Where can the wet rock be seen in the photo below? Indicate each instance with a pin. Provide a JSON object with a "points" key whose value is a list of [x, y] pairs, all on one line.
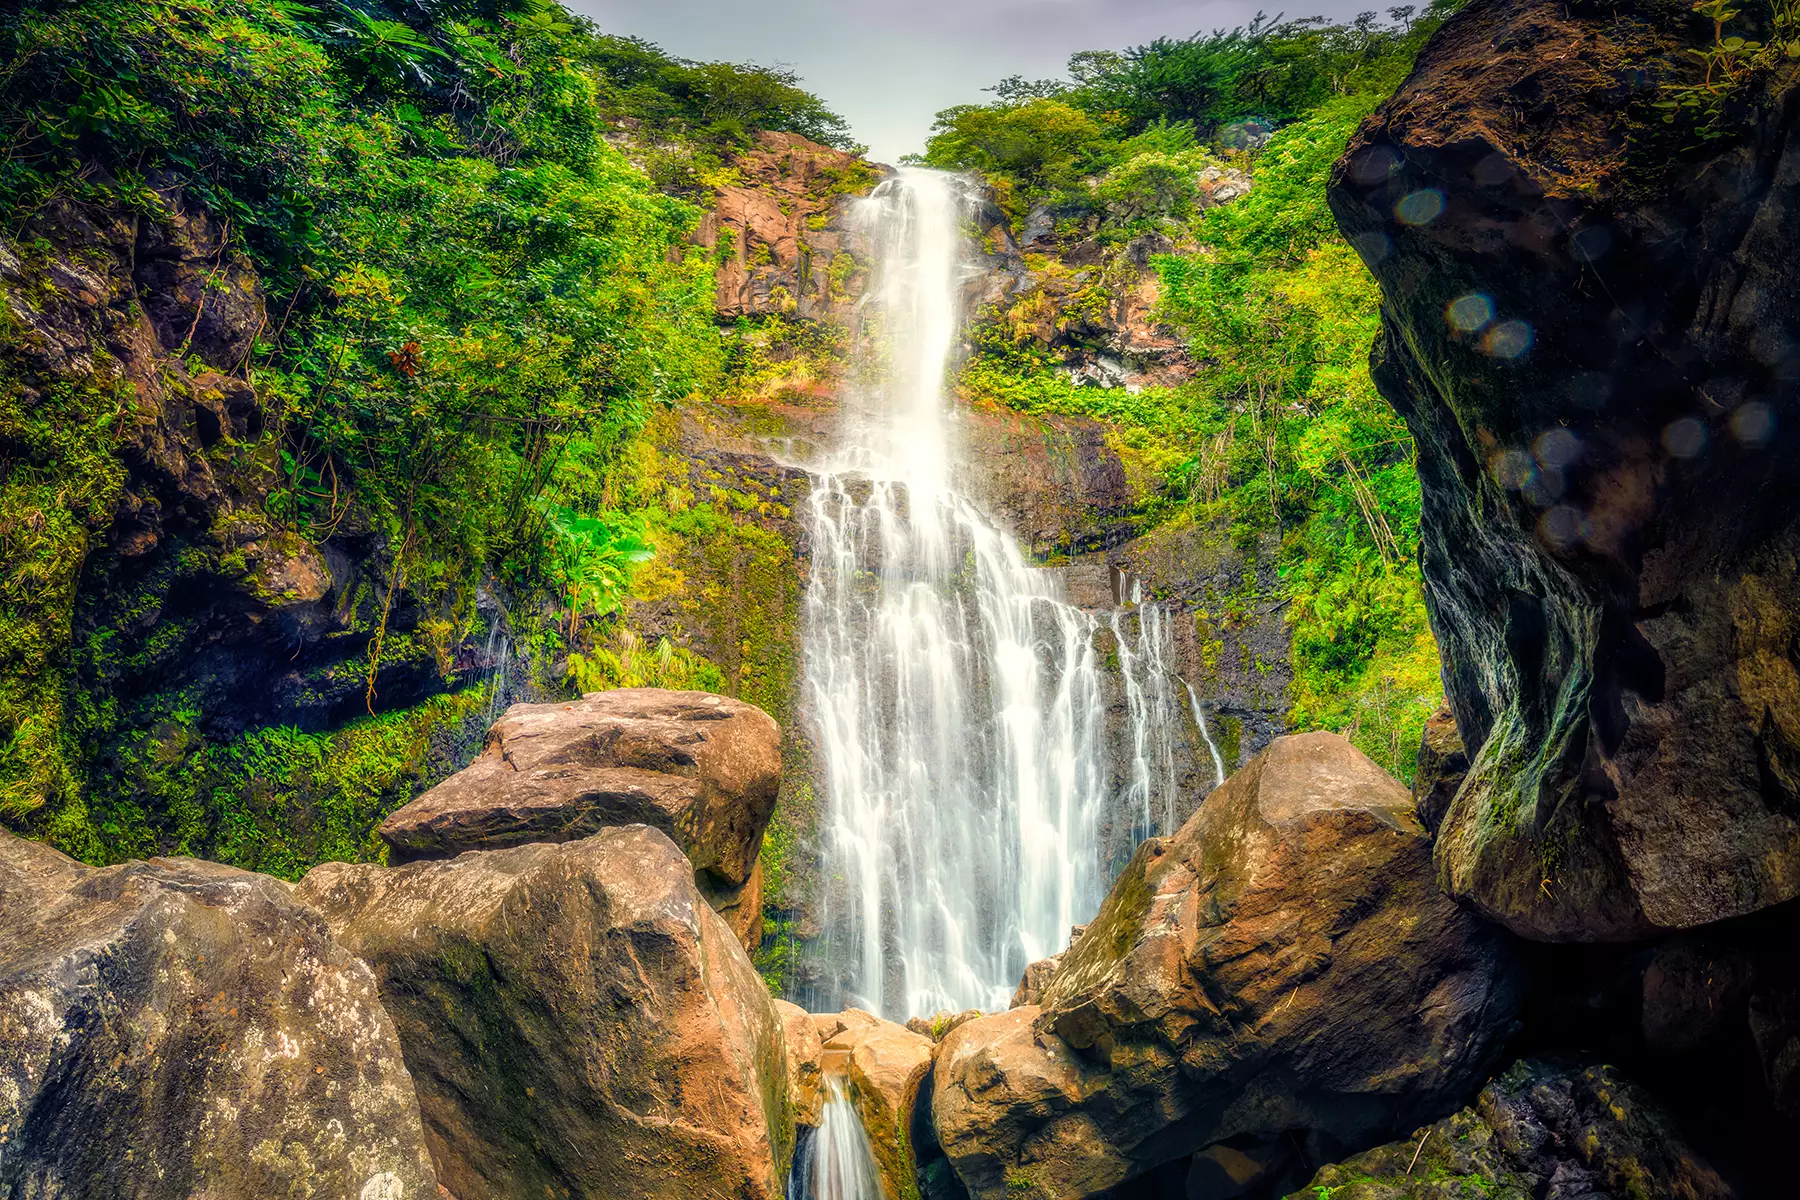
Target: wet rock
{"points": [[1053, 481], [1591, 324], [805, 1059], [885, 1065], [1284, 964], [576, 1019], [177, 1028], [1537, 1130], [702, 768], [1443, 765], [1037, 977]]}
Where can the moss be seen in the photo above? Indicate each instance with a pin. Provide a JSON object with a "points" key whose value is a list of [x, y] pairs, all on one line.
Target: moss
{"points": [[274, 799], [57, 493]]}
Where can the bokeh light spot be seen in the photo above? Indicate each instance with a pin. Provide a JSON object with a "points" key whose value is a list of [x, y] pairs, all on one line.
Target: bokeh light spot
{"points": [[1513, 469], [1470, 312], [1753, 424], [1509, 339], [1421, 207], [1684, 438], [1372, 246], [1563, 526], [1557, 449]]}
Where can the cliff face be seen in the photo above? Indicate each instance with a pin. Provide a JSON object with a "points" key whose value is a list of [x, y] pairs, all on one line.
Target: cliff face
{"points": [[1592, 326], [147, 588]]}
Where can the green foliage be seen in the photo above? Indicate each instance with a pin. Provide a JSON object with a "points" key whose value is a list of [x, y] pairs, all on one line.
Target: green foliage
{"points": [[1282, 431], [1039, 142], [625, 662], [1131, 122], [720, 101], [275, 799], [592, 560], [1735, 67], [475, 304], [57, 491]]}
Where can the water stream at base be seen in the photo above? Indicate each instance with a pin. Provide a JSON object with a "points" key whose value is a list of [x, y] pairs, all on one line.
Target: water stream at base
{"points": [[959, 705], [836, 1161]]}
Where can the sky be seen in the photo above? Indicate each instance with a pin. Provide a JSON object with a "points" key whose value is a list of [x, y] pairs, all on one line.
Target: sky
{"points": [[889, 65]]}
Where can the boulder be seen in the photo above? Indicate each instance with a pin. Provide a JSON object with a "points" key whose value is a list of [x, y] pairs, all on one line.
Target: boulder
{"points": [[1537, 1130], [704, 769], [884, 1064], [177, 1028], [805, 1062], [577, 1020], [1284, 964], [1442, 766], [1591, 324]]}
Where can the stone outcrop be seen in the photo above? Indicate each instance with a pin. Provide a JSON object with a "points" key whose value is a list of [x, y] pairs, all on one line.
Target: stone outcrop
{"points": [[702, 768], [805, 1062], [1284, 964], [781, 235], [576, 1019], [1443, 764], [1054, 482], [1591, 324], [177, 1028], [199, 591], [885, 1064], [1535, 1131]]}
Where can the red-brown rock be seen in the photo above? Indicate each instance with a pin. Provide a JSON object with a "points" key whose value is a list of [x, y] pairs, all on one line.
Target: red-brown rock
{"points": [[704, 769], [1285, 963]]}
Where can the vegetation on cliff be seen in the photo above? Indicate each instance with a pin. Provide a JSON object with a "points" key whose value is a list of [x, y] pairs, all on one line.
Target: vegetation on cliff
{"points": [[1280, 430], [474, 303]]}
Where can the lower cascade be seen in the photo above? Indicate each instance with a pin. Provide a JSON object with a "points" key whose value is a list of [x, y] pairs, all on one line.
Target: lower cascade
{"points": [[958, 700], [836, 1162]]}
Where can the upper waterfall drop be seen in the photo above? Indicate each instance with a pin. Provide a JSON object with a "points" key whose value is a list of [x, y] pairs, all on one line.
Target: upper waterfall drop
{"points": [[958, 702]]}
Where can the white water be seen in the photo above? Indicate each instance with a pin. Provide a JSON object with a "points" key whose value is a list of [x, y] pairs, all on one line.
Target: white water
{"points": [[1205, 733], [957, 699], [837, 1162]]}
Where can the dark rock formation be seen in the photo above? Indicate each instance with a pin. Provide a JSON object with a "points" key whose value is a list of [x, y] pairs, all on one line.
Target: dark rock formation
{"points": [[1592, 327], [576, 1019], [1443, 765], [1535, 1131], [702, 768], [1285, 964], [176, 1028]]}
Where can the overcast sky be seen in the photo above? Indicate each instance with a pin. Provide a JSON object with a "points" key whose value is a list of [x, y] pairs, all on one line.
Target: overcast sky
{"points": [[889, 65]]}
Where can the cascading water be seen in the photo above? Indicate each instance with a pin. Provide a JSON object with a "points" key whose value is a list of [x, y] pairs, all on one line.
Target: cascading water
{"points": [[958, 701], [836, 1161]]}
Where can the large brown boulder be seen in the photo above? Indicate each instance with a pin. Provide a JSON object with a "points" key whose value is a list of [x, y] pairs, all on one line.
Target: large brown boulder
{"points": [[176, 1028], [1535, 1131], [1284, 964], [577, 1020], [702, 768], [1591, 324]]}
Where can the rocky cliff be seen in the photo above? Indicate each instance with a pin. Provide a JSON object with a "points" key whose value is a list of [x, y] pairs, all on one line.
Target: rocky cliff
{"points": [[153, 603], [1590, 324]]}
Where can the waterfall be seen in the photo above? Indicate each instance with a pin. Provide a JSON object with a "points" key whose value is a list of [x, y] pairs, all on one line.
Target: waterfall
{"points": [[1151, 789], [957, 700], [1205, 733], [836, 1161]]}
